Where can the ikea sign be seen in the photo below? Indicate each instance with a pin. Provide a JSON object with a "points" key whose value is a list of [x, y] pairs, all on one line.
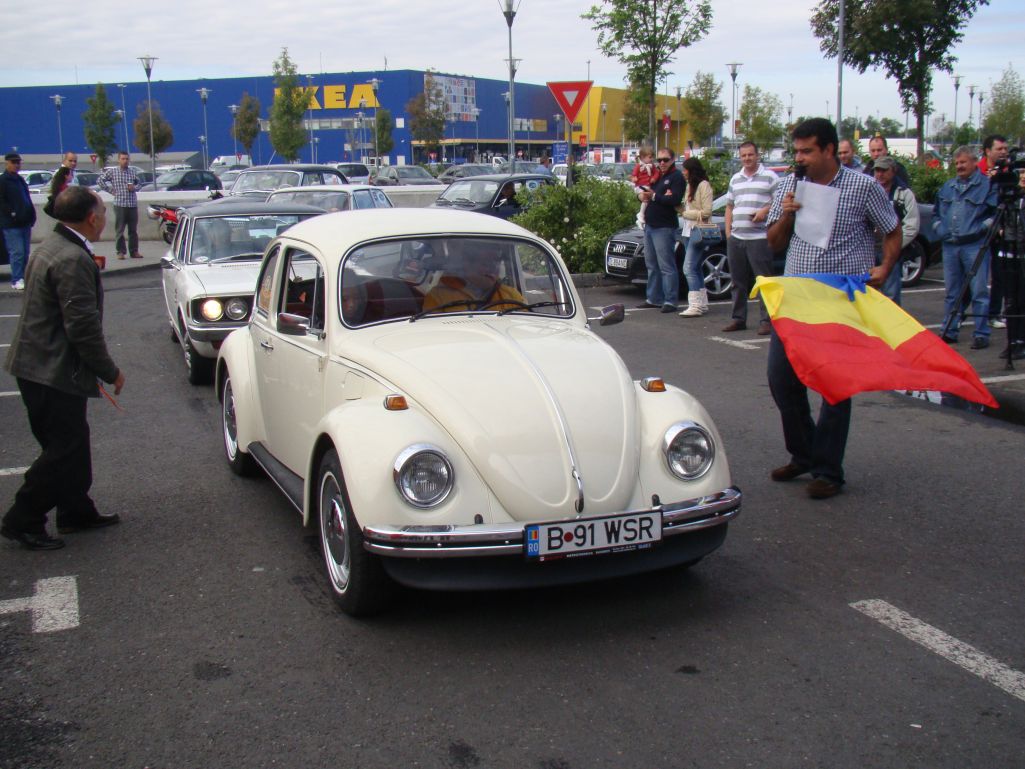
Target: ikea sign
{"points": [[339, 96]]}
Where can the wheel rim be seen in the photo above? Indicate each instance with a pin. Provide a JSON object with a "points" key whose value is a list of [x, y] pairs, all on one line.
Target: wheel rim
{"points": [[334, 533], [229, 421], [188, 352], [717, 274]]}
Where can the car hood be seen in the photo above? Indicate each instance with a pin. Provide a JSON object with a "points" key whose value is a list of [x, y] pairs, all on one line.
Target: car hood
{"points": [[527, 400], [237, 278]]}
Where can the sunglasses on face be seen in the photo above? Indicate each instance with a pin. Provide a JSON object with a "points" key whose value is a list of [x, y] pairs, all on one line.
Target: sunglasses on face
{"points": [[665, 160]]}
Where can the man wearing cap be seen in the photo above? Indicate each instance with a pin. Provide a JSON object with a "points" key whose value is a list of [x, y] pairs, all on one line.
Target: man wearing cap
{"points": [[906, 208], [17, 215]]}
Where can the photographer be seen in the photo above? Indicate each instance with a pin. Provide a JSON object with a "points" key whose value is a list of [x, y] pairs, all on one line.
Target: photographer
{"points": [[994, 154], [1011, 261]]}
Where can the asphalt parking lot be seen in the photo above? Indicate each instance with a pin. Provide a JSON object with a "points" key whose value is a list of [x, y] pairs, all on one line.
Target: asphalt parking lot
{"points": [[880, 628]]}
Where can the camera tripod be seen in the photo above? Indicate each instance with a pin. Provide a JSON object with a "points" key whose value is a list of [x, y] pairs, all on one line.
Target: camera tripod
{"points": [[1005, 233]]}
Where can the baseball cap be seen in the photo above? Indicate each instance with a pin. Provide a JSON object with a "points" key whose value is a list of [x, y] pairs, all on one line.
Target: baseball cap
{"points": [[12, 156], [884, 163]]}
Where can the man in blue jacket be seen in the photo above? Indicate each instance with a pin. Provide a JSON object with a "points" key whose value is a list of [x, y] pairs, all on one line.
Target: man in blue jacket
{"points": [[17, 215], [964, 211]]}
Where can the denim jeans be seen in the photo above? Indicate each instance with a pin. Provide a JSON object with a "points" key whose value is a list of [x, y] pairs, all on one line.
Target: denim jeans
{"points": [[957, 261], [18, 242], [692, 261], [660, 259], [817, 446], [893, 285]]}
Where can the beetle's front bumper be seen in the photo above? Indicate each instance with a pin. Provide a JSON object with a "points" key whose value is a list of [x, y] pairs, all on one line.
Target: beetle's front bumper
{"points": [[487, 557]]}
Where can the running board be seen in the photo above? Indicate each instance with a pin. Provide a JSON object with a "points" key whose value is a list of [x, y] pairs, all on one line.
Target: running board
{"points": [[289, 483]]}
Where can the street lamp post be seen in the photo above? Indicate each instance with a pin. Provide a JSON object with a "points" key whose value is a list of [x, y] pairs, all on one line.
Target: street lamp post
{"points": [[980, 116], [510, 14], [316, 146], [622, 138], [957, 85], [604, 109], [121, 116], [679, 118], [666, 114], [971, 99], [374, 83], [362, 126], [508, 113], [204, 94], [309, 112], [359, 117], [734, 66], [124, 113], [233, 108], [57, 101], [202, 145], [147, 64], [476, 126]]}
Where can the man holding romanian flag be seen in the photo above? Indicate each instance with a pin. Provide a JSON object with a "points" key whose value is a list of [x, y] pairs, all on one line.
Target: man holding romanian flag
{"points": [[831, 332]]}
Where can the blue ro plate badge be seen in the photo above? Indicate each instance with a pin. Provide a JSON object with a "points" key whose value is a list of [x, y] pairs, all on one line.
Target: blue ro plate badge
{"points": [[591, 536]]}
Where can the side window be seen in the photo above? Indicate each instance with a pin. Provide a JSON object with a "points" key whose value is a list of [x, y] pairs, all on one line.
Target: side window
{"points": [[314, 178], [302, 290], [181, 234], [264, 292], [361, 199], [381, 199]]}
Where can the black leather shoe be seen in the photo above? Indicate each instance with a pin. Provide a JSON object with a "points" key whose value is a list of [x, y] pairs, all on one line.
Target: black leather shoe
{"points": [[949, 339], [788, 472], [980, 343], [33, 541], [648, 306], [99, 522], [668, 308]]}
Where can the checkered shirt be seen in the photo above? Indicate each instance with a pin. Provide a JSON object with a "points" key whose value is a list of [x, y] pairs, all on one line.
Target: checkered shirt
{"points": [[863, 207], [116, 181]]}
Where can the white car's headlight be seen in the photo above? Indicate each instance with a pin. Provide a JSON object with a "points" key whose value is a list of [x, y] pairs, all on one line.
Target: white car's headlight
{"points": [[212, 309], [237, 308], [423, 475], [689, 450]]}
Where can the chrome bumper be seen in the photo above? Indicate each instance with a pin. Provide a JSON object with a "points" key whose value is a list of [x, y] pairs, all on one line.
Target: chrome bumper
{"points": [[507, 539]]}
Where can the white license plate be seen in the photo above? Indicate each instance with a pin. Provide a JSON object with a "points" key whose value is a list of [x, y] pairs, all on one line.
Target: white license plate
{"points": [[612, 534], [619, 262]]}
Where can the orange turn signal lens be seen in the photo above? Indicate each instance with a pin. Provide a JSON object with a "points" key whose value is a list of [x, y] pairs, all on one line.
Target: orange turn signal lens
{"points": [[395, 402], [654, 384]]}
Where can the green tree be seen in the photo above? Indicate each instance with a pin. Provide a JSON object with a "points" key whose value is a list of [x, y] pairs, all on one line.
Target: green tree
{"points": [[1006, 112], [909, 39], [163, 135], [635, 112], [246, 126], [100, 125], [426, 113], [384, 126], [761, 118], [850, 125], [291, 100], [645, 35], [890, 127], [703, 108]]}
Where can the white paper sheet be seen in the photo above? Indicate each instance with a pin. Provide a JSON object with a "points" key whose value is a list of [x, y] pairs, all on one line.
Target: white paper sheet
{"points": [[815, 219]]}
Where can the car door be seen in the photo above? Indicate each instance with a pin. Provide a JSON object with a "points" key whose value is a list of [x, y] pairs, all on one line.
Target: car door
{"points": [[173, 272], [293, 364]]}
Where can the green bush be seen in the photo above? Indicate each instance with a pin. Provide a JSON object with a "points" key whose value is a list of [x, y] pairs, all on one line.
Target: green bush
{"points": [[579, 220], [926, 182]]}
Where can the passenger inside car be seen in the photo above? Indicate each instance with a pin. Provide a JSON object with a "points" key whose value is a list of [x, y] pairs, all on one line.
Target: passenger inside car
{"points": [[473, 279]]}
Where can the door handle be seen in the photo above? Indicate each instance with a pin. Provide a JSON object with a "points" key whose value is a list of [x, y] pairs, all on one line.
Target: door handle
{"points": [[266, 345]]}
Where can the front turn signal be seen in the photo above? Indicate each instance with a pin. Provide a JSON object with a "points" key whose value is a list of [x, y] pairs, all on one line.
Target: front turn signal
{"points": [[653, 384], [395, 402]]}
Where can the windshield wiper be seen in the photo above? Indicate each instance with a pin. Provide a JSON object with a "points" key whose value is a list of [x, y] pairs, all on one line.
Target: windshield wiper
{"points": [[470, 304], [463, 202], [233, 257], [522, 305]]}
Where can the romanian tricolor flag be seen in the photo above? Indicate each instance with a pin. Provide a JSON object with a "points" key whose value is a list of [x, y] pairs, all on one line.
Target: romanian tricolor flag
{"points": [[843, 337]]}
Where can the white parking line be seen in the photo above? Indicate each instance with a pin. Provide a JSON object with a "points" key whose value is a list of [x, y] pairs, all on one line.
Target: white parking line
{"points": [[935, 640], [734, 342], [9, 393], [13, 470], [1004, 378], [54, 605]]}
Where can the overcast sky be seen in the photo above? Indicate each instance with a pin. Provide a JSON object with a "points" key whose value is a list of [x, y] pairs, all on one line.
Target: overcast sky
{"points": [[70, 42]]}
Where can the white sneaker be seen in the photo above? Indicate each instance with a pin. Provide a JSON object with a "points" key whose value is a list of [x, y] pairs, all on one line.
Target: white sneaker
{"points": [[18, 285], [998, 323]]}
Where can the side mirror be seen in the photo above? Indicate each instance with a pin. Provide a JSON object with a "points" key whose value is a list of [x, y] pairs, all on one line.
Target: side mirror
{"points": [[293, 325], [611, 315], [167, 262]]}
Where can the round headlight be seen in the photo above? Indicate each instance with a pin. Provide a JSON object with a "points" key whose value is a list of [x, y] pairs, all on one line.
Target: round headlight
{"points": [[423, 476], [689, 450], [237, 309], [212, 309]]}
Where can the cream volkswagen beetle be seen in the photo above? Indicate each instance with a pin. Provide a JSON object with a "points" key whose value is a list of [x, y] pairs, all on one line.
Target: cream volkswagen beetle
{"points": [[425, 389]]}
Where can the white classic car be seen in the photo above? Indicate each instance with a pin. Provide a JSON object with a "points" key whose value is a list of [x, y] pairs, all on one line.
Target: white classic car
{"points": [[424, 387], [209, 272]]}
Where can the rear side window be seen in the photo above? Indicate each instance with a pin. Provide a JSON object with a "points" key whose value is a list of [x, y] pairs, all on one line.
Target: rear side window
{"points": [[264, 295]]}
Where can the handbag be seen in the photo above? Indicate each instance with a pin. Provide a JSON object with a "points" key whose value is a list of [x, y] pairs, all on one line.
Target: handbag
{"points": [[708, 231]]}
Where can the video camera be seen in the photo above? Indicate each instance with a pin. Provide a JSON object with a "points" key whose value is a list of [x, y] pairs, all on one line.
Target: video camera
{"points": [[1008, 172]]}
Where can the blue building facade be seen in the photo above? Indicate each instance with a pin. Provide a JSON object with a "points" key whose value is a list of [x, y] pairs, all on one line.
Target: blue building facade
{"points": [[339, 121]]}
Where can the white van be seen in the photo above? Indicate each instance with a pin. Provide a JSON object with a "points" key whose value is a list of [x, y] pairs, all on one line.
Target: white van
{"points": [[231, 160]]}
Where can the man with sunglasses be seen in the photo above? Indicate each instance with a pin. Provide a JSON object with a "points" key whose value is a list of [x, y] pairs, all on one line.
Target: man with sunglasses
{"points": [[660, 227]]}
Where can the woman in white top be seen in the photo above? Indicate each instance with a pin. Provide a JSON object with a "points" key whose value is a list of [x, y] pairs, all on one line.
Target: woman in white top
{"points": [[697, 208]]}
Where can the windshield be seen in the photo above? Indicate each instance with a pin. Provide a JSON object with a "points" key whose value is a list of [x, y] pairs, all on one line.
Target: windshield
{"points": [[223, 238], [329, 201], [476, 191], [171, 177], [267, 180], [413, 172], [416, 279]]}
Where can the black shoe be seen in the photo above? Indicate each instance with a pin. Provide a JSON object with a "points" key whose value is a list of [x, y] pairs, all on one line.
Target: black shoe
{"points": [[669, 308], [949, 339], [99, 522], [980, 343], [1016, 350], [647, 306], [32, 541]]}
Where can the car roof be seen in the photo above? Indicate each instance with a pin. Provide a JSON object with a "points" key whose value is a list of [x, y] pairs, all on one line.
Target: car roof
{"points": [[326, 188], [293, 167], [503, 177], [335, 235], [228, 207]]}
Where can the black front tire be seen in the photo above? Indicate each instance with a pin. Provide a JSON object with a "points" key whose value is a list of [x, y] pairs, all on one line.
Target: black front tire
{"points": [[239, 461], [201, 370], [358, 581]]}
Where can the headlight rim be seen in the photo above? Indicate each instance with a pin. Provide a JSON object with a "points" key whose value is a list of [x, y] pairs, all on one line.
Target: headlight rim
{"points": [[208, 301], [243, 302], [403, 459], [677, 429]]}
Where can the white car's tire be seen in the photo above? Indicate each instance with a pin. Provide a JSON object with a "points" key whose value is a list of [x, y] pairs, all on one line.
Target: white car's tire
{"points": [[201, 370], [240, 462], [357, 578]]}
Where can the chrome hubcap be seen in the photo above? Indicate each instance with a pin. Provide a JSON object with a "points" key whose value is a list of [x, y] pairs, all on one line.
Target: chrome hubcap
{"points": [[230, 425], [334, 534]]}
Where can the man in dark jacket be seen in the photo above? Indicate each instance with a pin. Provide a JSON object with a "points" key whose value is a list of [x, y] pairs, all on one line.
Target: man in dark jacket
{"points": [[57, 355], [17, 215], [660, 226]]}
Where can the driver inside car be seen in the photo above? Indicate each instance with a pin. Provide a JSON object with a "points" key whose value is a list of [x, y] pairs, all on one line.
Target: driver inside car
{"points": [[474, 281], [213, 239]]}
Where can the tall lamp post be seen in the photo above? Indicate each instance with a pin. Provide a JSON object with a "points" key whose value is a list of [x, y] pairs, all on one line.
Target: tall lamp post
{"points": [[476, 127], [957, 85], [980, 116], [121, 116], [233, 108], [204, 94], [374, 83], [679, 119], [359, 117], [666, 114], [202, 145], [147, 64], [57, 101], [734, 66], [604, 109], [971, 99], [512, 142], [510, 13], [124, 113], [622, 139]]}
